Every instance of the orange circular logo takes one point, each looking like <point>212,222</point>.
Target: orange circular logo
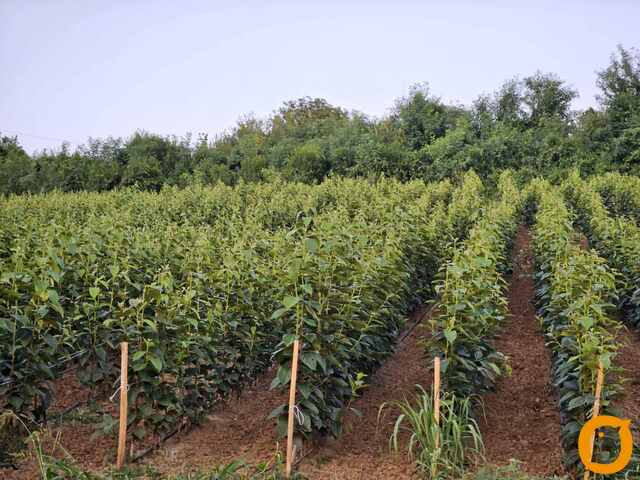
<point>585,445</point>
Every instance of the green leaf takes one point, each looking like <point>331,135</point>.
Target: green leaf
<point>289,301</point>
<point>278,313</point>
<point>578,402</point>
<point>284,375</point>
<point>58,308</point>
<point>450,335</point>
<point>276,412</point>
<point>16,401</point>
<point>586,322</point>
<point>156,361</point>
<point>138,355</point>
<point>282,427</point>
<point>312,244</point>
<point>305,390</point>
<point>494,367</point>
<point>605,359</point>
<point>310,359</point>
<point>50,340</point>
<point>288,339</point>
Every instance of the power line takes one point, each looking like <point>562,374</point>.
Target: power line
<point>13,132</point>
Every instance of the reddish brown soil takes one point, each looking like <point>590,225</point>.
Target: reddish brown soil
<point>238,429</point>
<point>522,418</point>
<point>363,450</point>
<point>72,439</point>
<point>70,436</point>
<point>68,392</point>
<point>629,359</point>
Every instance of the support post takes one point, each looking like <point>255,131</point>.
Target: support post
<point>595,412</point>
<point>122,432</point>
<point>292,402</point>
<point>436,397</point>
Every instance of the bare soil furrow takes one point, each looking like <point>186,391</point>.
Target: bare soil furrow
<point>521,417</point>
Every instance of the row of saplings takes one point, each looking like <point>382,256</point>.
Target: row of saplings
<point>470,308</point>
<point>576,293</point>
<point>471,248</point>
<point>192,295</point>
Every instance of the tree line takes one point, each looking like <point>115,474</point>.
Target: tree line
<point>526,125</point>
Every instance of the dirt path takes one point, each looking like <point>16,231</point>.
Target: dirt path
<point>629,359</point>
<point>522,418</point>
<point>235,429</point>
<point>238,429</point>
<point>363,450</point>
<point>70,436</point>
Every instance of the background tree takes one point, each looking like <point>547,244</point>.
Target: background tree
<point>422,117</point>
<point>15,166</point>
<point>547,97</point>
<point>620,99</point>
<point>526,125</point>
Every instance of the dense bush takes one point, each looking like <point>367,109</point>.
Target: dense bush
<point>620,194</point>
<point>472,302</point>
<point>352,284</point>
<point>616,238</point>
<point>196,280</point>
<point>527,126</point>
<point>576,291</point>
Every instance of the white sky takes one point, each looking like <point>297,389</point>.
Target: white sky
<point>74,69</point>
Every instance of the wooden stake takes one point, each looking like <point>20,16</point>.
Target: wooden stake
<point>124,380</point>
<point>436,397</point>
<point>595,412</point>
<point>292,402</point>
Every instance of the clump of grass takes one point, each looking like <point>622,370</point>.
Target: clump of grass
<point>12,438</point>
<point>441,451</point>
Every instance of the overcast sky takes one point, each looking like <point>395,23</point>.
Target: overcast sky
<point>74,69</point>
